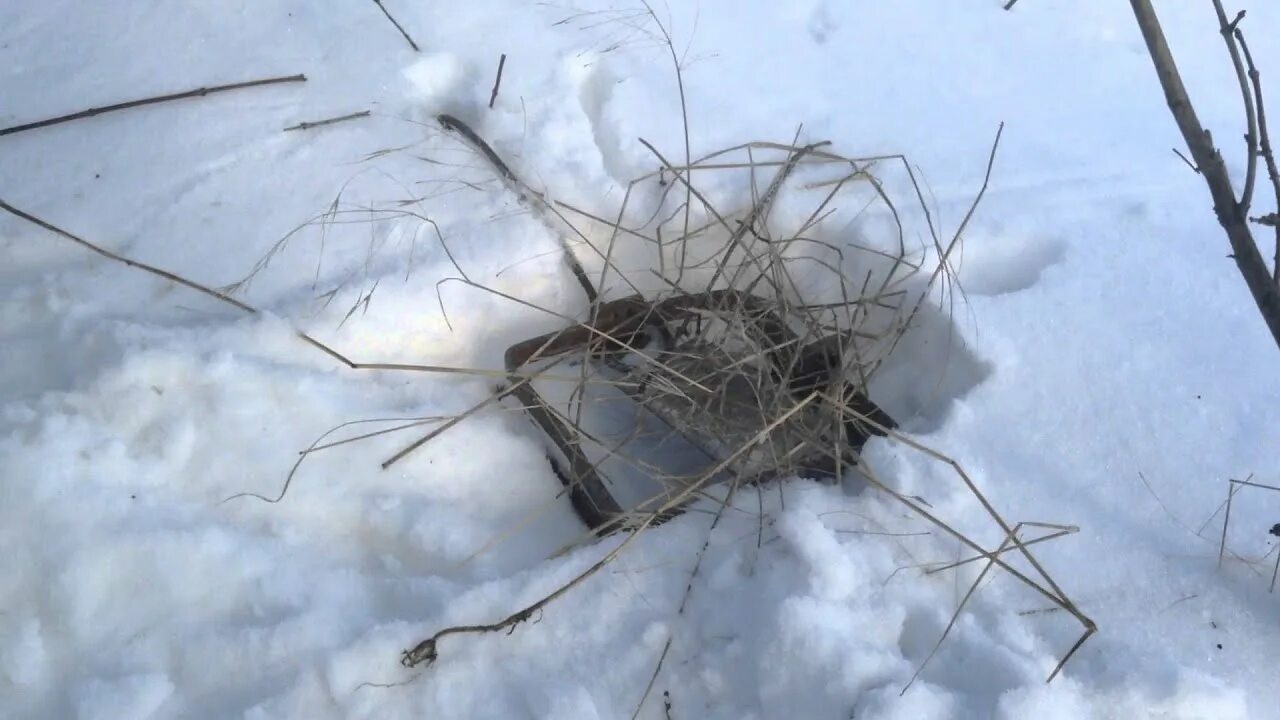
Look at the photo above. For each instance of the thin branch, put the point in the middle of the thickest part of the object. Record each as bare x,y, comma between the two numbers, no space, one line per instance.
408,39
327,121
1229,31
1190,164
1264,142
198,92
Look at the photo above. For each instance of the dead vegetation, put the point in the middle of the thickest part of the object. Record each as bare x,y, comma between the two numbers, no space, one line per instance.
738,349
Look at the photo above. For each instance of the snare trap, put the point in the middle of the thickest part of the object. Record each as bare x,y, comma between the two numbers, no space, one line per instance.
739,349
725,340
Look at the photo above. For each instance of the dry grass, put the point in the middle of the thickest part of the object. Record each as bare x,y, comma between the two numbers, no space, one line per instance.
736,341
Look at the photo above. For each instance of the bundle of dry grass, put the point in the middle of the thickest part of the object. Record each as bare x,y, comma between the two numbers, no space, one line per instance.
738,348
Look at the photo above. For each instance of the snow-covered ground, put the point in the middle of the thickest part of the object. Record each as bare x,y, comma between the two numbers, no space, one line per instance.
1107,370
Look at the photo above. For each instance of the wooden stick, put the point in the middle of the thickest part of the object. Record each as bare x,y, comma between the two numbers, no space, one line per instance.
199,92
327,121
408,39
502,61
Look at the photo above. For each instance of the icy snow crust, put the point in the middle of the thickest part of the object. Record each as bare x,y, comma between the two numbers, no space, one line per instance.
1105,334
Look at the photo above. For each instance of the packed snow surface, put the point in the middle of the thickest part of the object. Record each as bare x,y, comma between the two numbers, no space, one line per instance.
1104,368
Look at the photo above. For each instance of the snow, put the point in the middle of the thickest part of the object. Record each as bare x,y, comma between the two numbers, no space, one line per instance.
1105,369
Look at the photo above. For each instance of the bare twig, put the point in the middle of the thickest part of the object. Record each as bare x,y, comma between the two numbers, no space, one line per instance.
198,92
327,121
1190,164
1229,31
497,81
386,12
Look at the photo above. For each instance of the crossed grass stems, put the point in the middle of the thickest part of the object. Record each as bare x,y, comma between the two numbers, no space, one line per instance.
744,281
737,272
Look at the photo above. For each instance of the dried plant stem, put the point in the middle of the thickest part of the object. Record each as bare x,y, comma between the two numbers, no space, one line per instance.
198,92
1059,531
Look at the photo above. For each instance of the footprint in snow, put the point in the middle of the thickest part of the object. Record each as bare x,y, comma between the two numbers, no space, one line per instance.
1000,265
595,85
821,25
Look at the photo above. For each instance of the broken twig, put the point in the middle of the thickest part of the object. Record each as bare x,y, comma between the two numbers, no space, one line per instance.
327,121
